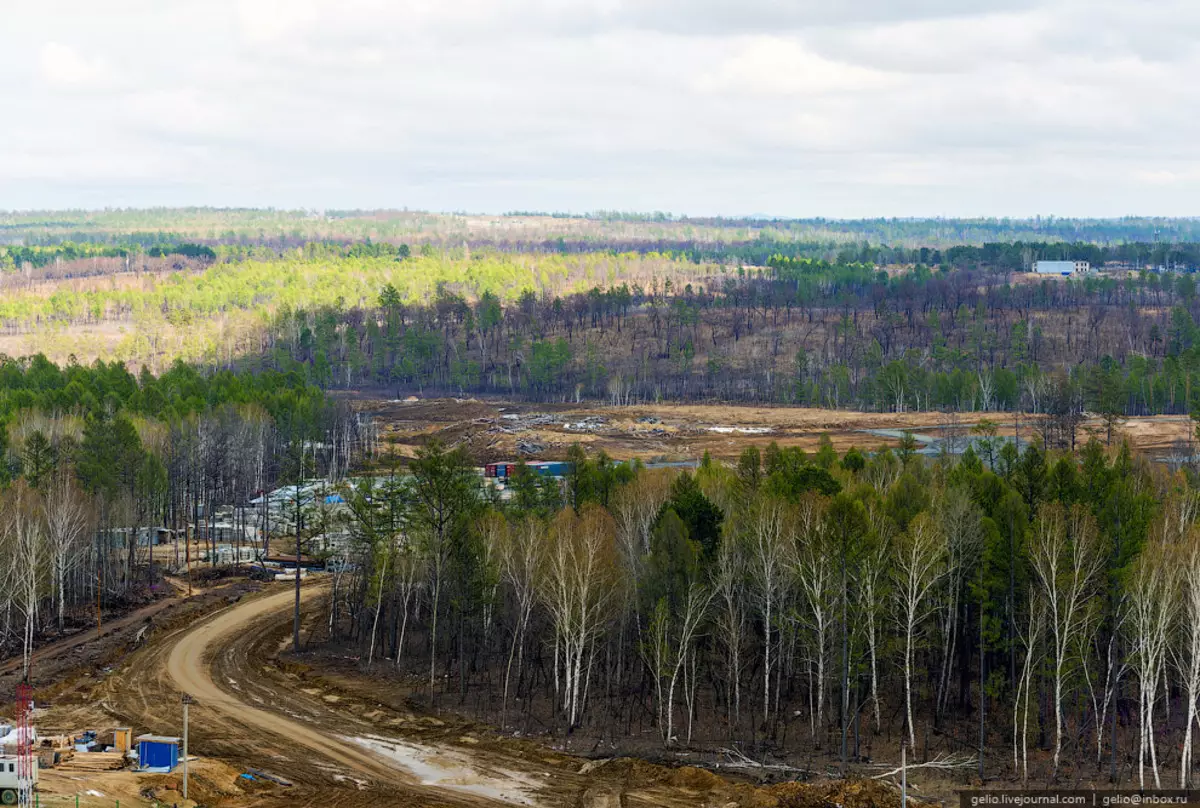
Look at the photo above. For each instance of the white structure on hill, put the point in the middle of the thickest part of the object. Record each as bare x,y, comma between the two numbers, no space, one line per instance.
1062,267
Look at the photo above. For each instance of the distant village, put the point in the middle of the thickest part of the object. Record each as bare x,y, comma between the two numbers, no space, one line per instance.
244,534
1069,269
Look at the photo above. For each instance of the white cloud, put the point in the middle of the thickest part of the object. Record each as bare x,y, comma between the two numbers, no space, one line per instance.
63,67
772,65
791,107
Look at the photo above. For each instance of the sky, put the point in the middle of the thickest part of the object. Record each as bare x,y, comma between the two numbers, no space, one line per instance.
838,108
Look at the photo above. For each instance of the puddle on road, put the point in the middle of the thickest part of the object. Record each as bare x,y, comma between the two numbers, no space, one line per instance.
454,770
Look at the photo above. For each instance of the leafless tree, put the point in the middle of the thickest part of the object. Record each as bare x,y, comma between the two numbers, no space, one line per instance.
1152,602
918,567
1065,556
770,553
815,574
731,623
68,514
578,590
521,563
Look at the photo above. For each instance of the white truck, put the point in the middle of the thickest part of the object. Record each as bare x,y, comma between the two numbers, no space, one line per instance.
10,785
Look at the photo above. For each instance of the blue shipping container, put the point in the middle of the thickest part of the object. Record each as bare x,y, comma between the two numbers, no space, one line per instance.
157,753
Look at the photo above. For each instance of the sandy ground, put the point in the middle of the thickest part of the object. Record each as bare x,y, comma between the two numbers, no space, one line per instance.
185,665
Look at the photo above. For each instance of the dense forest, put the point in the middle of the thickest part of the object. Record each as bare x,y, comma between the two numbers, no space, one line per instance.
628,326
1023,615
796,332
90,456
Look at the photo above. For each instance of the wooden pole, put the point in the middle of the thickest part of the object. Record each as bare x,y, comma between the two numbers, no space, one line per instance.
187,554
186,701
99,586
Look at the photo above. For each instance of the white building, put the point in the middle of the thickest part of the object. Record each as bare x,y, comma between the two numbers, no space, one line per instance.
1062,267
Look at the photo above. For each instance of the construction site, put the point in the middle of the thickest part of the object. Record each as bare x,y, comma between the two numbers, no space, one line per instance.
106,727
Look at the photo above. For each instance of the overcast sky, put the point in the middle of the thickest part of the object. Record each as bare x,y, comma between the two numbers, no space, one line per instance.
838,108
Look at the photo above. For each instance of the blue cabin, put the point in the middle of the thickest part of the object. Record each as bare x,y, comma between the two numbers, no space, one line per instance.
157,753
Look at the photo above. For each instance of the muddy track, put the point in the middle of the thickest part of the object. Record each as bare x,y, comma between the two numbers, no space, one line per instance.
138,616
241,714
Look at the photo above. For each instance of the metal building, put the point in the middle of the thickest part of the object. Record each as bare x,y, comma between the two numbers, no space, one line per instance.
157,753
1067,268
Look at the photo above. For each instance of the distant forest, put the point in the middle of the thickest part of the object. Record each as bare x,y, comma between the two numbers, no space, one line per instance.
799,333
888,314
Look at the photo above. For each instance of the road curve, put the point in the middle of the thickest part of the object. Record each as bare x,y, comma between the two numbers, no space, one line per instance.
188,666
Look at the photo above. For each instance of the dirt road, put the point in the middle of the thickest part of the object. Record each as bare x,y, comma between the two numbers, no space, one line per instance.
243,715
348,744
117,625
187,665
83,637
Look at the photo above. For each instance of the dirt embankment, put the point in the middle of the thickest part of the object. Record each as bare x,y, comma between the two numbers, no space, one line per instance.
94,651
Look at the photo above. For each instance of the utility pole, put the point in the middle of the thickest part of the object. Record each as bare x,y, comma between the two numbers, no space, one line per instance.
99,583
186,701
296,616
187,554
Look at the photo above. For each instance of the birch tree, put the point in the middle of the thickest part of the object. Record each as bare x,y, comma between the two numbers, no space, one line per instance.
816,580
918,567
410,570
1032,637
68,515
522,556
1151,602
25,540
1066,559
770,554
730,624
1187,653
578,589
670,638
872,592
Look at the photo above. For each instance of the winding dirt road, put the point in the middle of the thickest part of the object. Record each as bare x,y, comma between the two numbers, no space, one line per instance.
187,665
242,714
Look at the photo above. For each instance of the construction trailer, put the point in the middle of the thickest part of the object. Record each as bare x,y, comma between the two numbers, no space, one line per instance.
157,753
10,779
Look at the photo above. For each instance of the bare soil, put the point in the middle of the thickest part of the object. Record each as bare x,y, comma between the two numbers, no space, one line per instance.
495,429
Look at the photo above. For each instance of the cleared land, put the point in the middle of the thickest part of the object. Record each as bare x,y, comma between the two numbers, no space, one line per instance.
495,429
